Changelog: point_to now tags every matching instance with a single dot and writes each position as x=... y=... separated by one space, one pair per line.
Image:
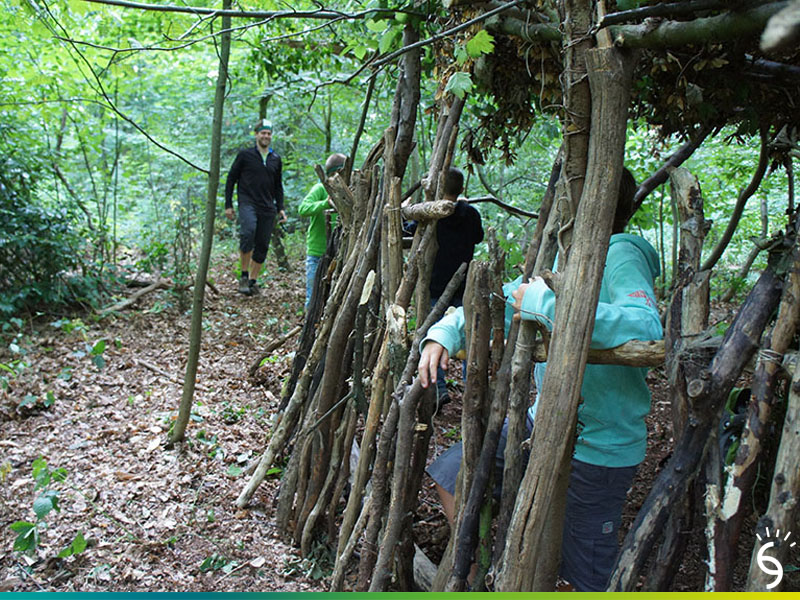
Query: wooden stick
x=272 y=346
x=130 y=300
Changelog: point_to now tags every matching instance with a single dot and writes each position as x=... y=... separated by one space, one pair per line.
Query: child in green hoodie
x=314 y=206
x=612 y=436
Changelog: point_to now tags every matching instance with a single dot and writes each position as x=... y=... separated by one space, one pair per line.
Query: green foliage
x=318 y=563
x=28 y=534
x=38 y=243
x=215 y=562
x=459 y=84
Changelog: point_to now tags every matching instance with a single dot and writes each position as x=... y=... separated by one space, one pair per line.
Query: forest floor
x=164 y=519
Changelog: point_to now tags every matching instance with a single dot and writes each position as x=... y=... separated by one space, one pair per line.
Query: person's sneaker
x=254 y=289
x=244 y=286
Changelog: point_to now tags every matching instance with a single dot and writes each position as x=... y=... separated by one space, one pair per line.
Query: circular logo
x=770 y=565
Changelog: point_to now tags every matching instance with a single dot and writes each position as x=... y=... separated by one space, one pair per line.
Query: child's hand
x=433 y=355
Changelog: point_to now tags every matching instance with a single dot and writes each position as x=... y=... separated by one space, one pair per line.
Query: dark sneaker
x=244 y=286
x=254 y=289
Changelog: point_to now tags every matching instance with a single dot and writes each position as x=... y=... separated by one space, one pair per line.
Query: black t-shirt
x=457 y=236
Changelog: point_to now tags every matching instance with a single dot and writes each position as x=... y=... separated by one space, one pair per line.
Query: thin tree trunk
x=196 y=331
x=687 y=318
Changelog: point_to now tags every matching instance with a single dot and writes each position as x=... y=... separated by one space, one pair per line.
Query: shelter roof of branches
x=703 y=64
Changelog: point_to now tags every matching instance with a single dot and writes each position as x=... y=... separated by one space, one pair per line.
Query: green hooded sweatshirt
x=314 y=205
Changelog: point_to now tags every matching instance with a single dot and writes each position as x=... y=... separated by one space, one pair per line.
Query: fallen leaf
x=258 y=562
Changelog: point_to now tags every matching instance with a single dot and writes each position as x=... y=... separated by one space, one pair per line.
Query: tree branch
x=673 y=162
x=721 y=28
x=112 y=105
x=744 y=196
x=255 y=14
x=671 y=9
x=506 y=207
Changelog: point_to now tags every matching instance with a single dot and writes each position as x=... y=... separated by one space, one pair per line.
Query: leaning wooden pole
x=728 y=515
x=687 y=318
x=610 y=76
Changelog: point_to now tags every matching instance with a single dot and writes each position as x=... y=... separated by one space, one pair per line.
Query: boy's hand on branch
x=433 y=355
x=230 y=214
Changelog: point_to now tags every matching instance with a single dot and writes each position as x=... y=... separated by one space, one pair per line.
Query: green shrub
x=38 y=244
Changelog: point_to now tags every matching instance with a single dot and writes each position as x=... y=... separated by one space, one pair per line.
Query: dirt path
x=155 y=519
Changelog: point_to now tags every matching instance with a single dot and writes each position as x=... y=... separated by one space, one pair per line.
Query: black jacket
x=258 y=182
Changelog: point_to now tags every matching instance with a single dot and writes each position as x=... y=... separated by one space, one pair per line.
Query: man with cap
x=256 y=173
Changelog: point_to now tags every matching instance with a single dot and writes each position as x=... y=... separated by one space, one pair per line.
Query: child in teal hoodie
x=314 y=206
x=612 y=435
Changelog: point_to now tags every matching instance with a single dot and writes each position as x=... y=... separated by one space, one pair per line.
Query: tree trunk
x=195 y=335
x=610 y=77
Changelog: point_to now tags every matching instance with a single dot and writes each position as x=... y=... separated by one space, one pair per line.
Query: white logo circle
x=777 y=571
x=770 y=565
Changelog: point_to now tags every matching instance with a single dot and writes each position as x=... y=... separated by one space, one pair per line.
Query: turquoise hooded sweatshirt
x=615 y=399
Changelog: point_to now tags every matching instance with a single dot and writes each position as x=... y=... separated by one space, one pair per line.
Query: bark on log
x=479 y=323
x=610 y=76
x=131 y=300
x=429 y=211
x=781 y=515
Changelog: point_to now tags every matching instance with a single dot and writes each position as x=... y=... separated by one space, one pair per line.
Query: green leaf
x=99 y=361
x=28 y=400
x=41 y=474
x=42 y=505
x=99 y=347
x=60 y=474
x=459 y=84
x=234 y=471
x=375 y=26
x=49 y=399
x=481 y=43
x=27 y=536
x=77 y=546
x=389 y=38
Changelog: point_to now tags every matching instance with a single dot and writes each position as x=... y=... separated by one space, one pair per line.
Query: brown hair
x=624 y=212
x=453 y=182
x=334 y=163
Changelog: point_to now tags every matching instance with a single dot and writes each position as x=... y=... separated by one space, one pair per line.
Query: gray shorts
x=444 y=469
x=595 y=498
